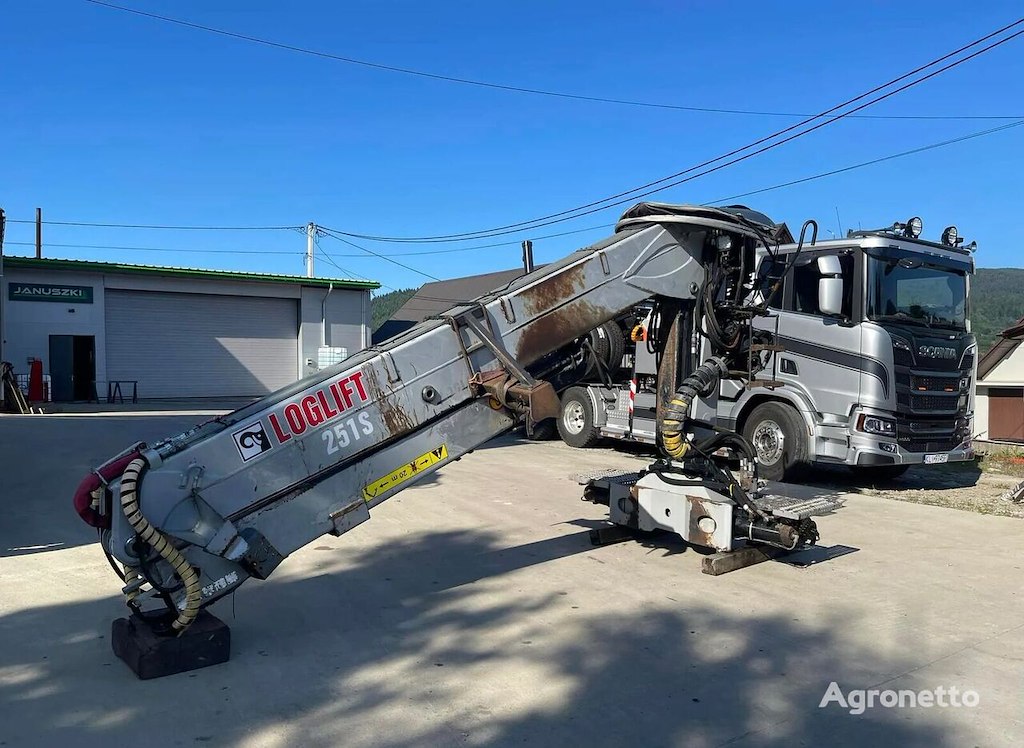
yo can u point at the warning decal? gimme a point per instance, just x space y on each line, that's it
405 472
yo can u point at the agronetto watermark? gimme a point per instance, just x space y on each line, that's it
858 701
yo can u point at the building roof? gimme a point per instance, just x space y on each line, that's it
440 296
1007 343
91 266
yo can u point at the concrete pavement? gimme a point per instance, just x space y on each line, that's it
472 610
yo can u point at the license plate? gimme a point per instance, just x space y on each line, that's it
935 459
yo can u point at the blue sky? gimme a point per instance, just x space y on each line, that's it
113 118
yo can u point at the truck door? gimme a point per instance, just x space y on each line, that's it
822 356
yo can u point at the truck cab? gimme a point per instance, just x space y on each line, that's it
876 361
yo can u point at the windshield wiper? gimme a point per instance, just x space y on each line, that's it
901 317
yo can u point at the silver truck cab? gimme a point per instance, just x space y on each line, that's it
878 365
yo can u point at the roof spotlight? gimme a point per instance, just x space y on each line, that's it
913 227
950 237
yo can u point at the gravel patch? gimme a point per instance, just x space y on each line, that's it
964 486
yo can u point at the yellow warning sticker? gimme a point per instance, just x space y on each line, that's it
406 472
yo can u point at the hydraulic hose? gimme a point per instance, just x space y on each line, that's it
159 542
677 412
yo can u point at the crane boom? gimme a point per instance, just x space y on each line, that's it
190 518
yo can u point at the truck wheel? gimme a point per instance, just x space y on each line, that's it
609 343
576 421
879 472
777 433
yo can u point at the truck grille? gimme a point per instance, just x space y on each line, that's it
935 384
932 402
930 445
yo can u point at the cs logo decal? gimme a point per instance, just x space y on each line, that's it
251 441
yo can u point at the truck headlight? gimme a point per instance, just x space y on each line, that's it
914 227
876 425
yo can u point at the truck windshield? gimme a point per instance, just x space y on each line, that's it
910 292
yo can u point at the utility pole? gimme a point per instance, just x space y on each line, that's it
39 233
310 236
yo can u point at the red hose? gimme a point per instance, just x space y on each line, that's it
83 495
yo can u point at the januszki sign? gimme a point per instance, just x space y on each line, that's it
49 292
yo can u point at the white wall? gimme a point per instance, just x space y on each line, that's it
28 325
980 426
1009 373
348 322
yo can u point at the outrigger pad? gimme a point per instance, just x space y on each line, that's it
153 655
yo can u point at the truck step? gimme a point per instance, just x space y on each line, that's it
786 507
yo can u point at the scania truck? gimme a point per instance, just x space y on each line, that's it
872 365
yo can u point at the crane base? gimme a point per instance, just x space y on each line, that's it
151 654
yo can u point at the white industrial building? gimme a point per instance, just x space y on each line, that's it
174 332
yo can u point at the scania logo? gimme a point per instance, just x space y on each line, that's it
936 351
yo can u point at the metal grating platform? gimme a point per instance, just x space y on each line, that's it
608 475
786 507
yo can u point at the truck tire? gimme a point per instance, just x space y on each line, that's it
777 433
883 473
576 421
609 343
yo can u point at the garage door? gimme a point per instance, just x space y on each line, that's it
197 345
1006 413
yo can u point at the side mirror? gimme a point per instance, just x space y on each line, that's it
830 285
829 265
830 296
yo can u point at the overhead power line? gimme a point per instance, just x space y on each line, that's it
726 159
330 261
163 249
343 240
606 226
508 87
351 273
476 247
872 162
781 185
152 226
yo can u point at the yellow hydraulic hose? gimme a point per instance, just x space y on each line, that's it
672 433
673 428
159 542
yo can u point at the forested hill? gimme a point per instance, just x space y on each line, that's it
386 304
997 302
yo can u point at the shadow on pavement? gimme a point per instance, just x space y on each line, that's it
38 487
435 640
918 477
